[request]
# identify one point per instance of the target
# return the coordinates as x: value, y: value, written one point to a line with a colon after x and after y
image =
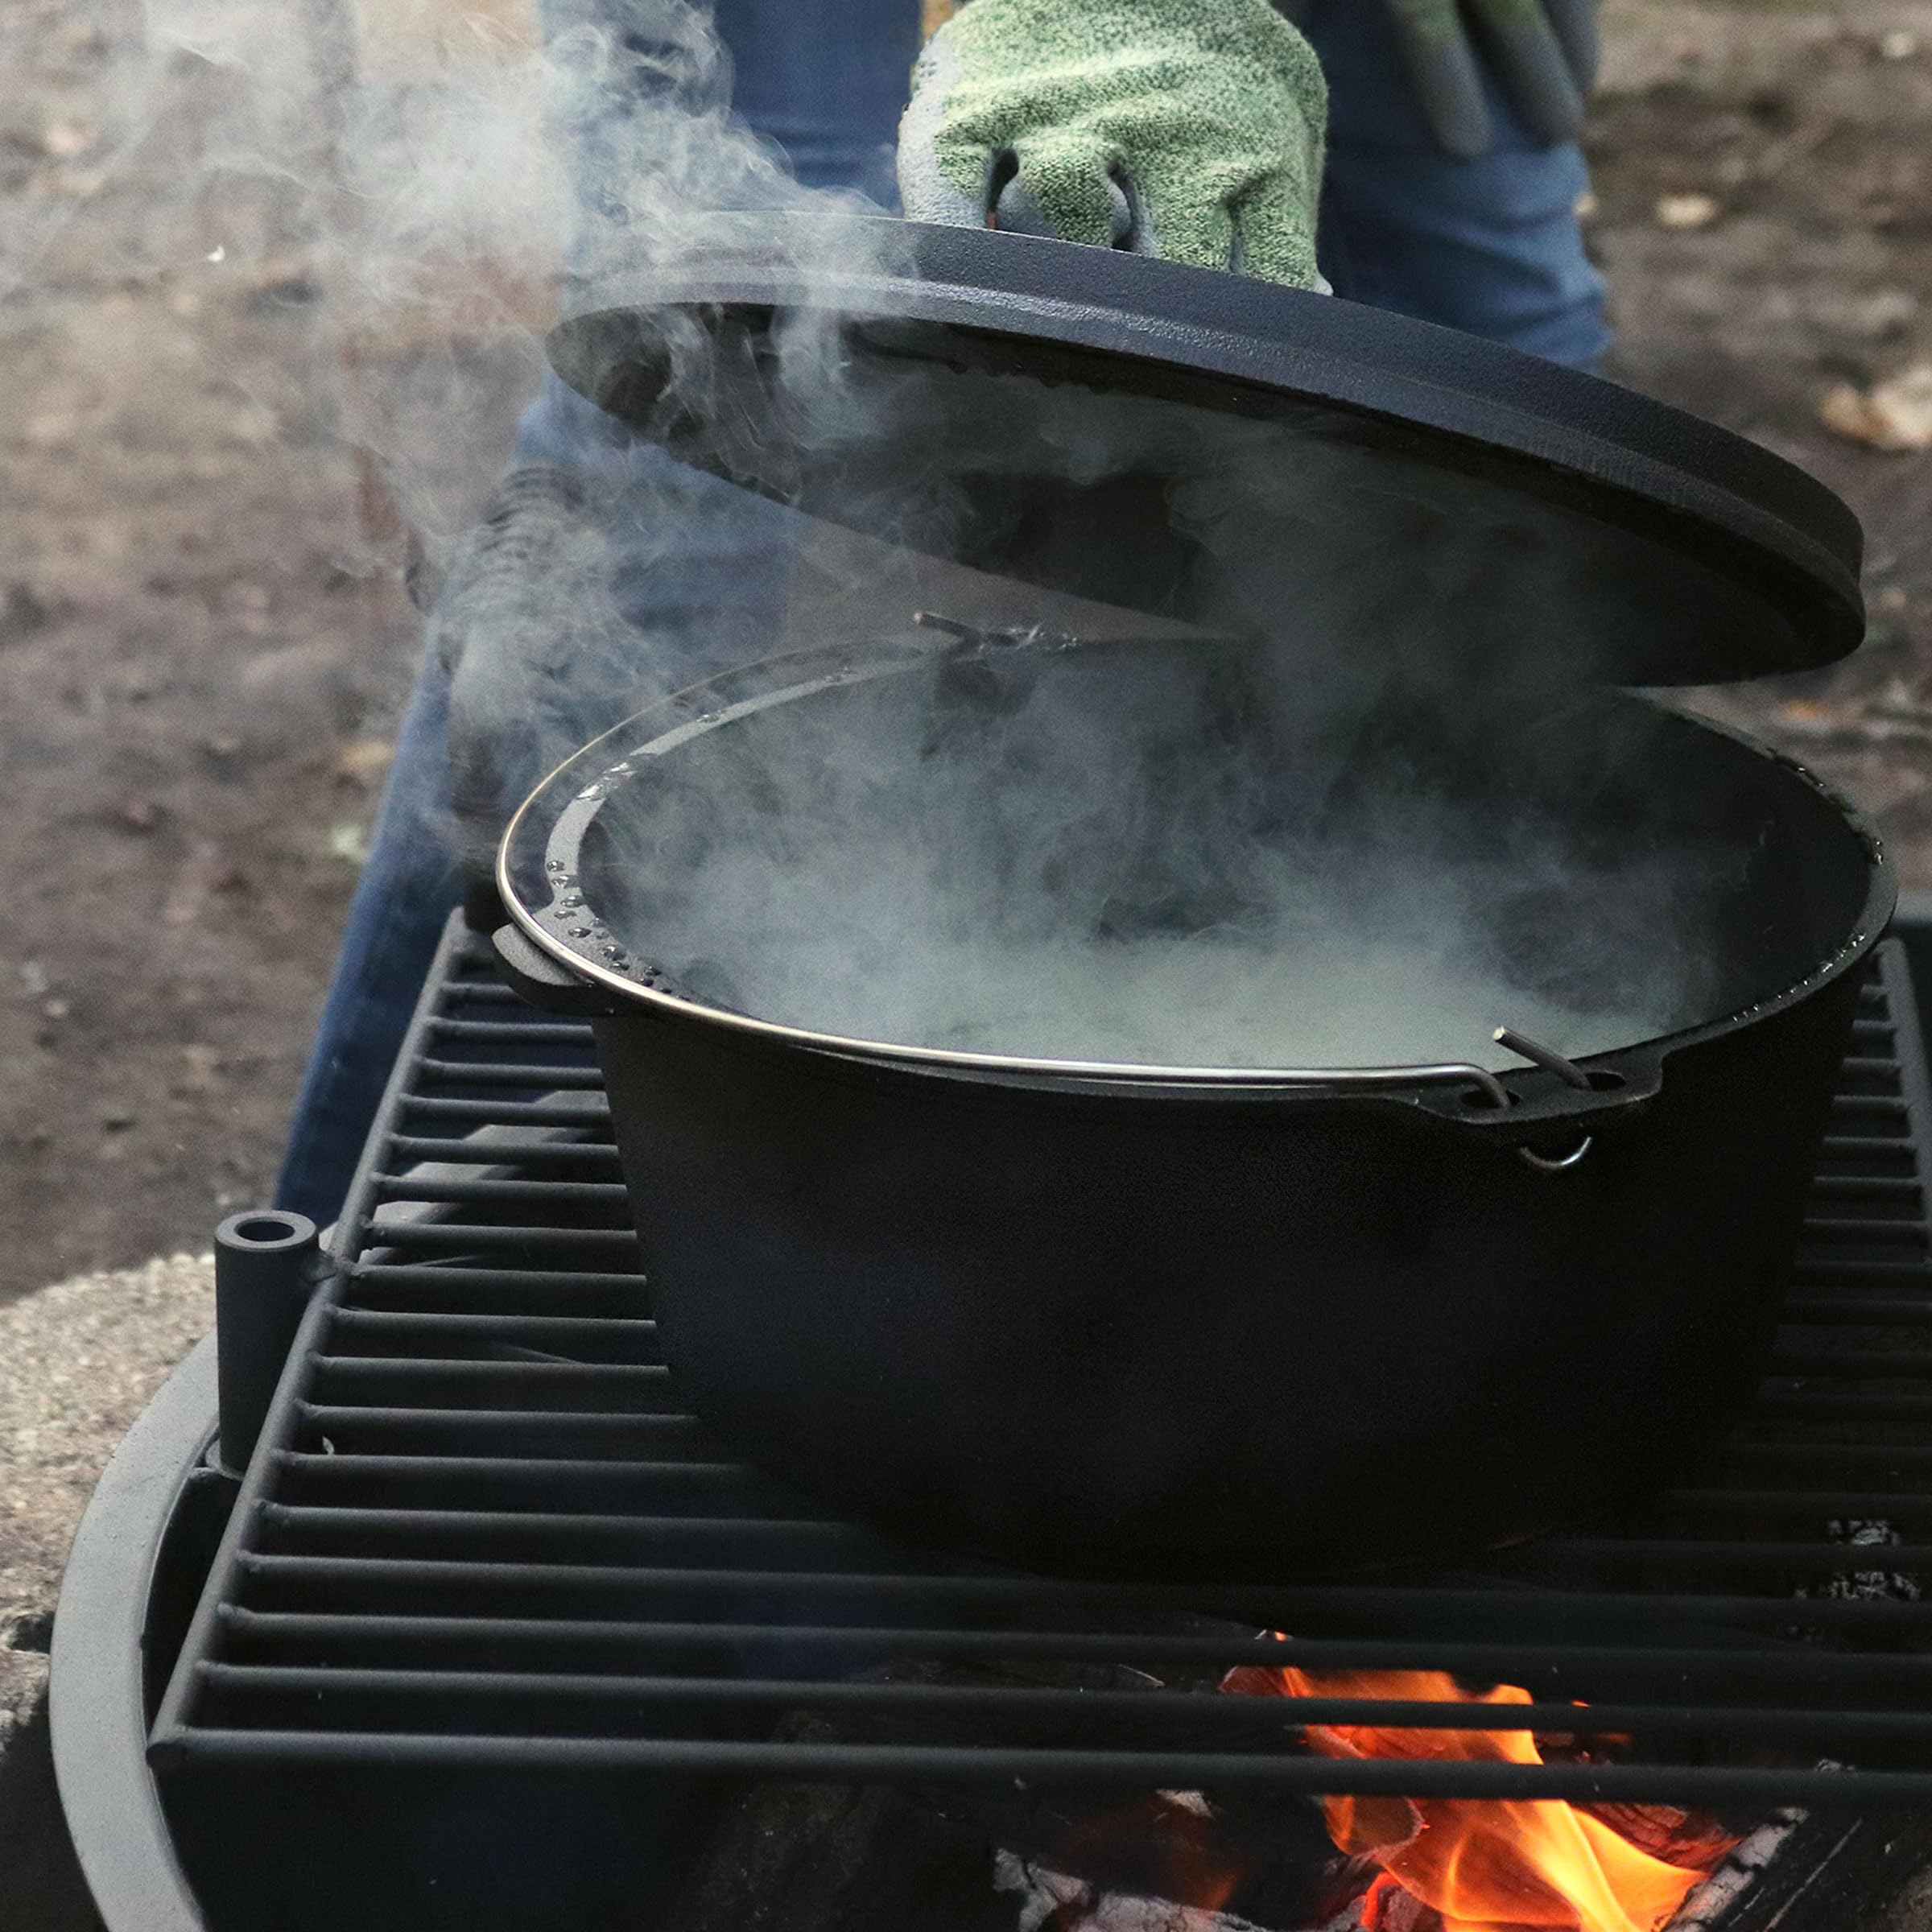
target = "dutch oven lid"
x: 1380, y: 477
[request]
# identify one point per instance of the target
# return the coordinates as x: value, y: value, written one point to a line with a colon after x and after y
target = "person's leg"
x: 825, y: 80
x: 693, y: 562
x: 405, y: 893
x: 1492, y: 246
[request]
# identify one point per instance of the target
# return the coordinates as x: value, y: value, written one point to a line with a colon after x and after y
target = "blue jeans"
x: 1490, y: 246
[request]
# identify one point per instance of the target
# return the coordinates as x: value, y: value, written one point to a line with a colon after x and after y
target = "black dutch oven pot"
x: 1160, y: 1322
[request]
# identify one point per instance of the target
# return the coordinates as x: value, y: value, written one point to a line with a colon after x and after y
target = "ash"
x: 1050, y: 1899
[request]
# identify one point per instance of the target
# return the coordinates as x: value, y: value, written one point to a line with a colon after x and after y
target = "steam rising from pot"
x: 1148, y: 853
x: 1291, y: 845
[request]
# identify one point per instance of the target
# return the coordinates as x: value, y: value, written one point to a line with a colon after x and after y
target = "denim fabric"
x: 402, y: 902
x: 1491, y: 246
x: 825, y: 80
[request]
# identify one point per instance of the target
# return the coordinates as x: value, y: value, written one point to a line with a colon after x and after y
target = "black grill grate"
x: 479, y: 1531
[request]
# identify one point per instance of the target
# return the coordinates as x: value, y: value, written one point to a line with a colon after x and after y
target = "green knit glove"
x: 1542, y: 52
x: 1191, y: 129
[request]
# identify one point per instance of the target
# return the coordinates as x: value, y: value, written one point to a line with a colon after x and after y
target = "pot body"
x: 1162, y: 1335
x: 1155, y: 1321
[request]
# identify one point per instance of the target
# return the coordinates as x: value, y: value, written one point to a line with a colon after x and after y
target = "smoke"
x: 1071, y: 873
x: 1299, y: 848
x: 427, y: 176
x: 1149, y: 853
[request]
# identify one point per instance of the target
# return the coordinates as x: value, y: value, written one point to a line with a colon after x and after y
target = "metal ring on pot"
x: 538, y: 867
x: 1557, y: 1164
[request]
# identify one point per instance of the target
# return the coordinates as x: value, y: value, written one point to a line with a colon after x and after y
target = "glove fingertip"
x: 928, y: 193
x: 1270, y: 243
x: 1574, y: 22
x: 942, y: 178
x: 1067, y: 189
x: 1533, y: 66
x: 952, y: 184
x: 1547, y: 103
x: 1450, y: 88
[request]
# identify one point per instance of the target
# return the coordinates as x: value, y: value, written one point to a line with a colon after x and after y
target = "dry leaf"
x: 348, y: 842
x: 1686, y: 211
x: 1896, y: 416
x: 64, y: 143
x: 51, y: 429
x: 363, y: 760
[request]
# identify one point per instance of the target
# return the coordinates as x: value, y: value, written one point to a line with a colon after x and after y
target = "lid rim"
x: 1637, y: 461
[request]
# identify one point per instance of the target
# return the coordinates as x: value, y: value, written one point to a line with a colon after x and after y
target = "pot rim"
x: 531, y: 849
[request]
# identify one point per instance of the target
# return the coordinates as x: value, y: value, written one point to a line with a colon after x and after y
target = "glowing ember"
x: 1483, y: 1864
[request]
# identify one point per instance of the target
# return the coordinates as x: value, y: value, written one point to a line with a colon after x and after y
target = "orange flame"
x: 1484, y: 1864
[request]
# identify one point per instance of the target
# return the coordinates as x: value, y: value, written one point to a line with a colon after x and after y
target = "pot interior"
x: 1216, y: 854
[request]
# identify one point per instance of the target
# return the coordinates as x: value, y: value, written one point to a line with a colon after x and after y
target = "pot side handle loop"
x: 1557, y: 1163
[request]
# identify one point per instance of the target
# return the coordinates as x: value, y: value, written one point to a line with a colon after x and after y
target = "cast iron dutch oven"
x: 1134, y: 1320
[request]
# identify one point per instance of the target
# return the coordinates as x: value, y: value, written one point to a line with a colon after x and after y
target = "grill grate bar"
x: 571, y: 1330
x: 567, y: 1421
x: 1698, y: 1786
x: 489, y: 1073
x: 460, y: 1237
x: 520, y: 1033
x: 593, y: 1195
x: 531, y: 1152
x: 1888, y: 1152
x: 372, y: 1523
x: 1884, y: 1106
x: 517, y: 1469
x: 470, y: 990
x: 1744, y: 1672
x: 526, y: 1376
x: 1882, y: 1067
x: 574, y: 1110
x: 537, y: 1285
x: 1899, y: 1187
x: 1197, y: 1715
x: 300, y: 1519
x: 951, y: 1594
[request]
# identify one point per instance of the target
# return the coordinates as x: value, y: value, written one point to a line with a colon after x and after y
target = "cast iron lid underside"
x: 1429, y: 493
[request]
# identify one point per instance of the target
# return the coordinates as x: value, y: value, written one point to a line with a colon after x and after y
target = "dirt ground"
x: 203, y: 633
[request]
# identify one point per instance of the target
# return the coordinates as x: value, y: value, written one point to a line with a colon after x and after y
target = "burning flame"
x: 1486, y: 1863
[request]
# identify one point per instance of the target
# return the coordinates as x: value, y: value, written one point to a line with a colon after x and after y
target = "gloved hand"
x: 1191, y: 129
x: 1543, y: 52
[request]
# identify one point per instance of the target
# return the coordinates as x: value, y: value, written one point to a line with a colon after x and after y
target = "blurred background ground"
x: 204, y: 631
